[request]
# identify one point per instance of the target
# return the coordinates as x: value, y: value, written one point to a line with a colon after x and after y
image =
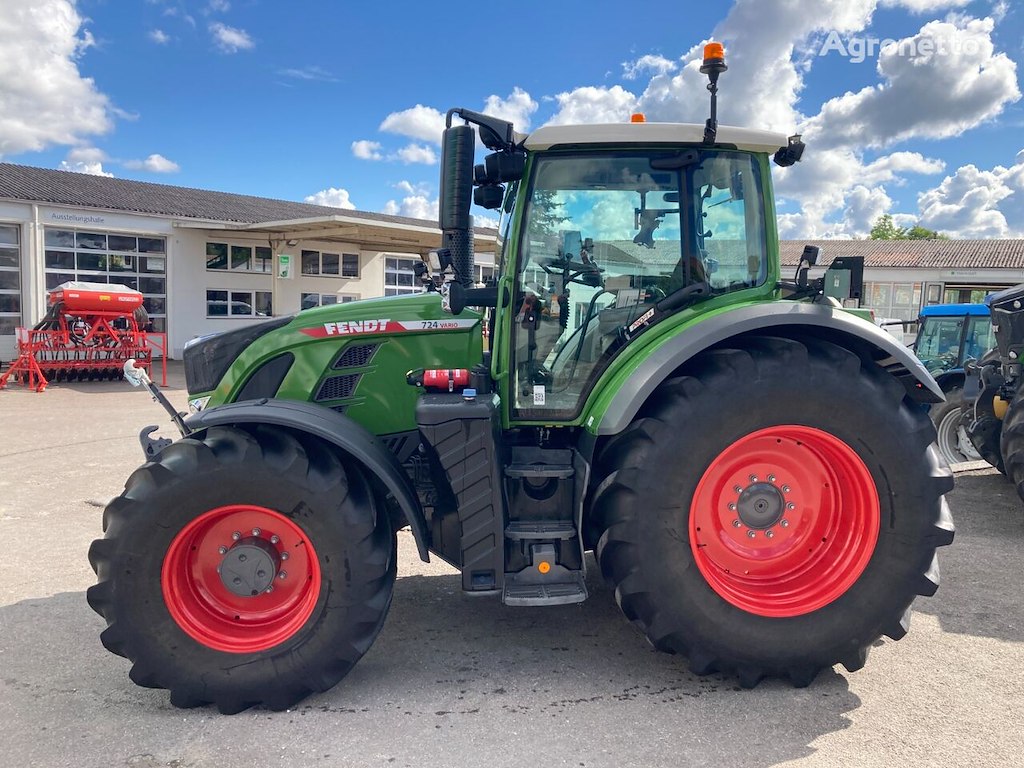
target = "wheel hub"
x: 760, y: 506
x: 249, y: 567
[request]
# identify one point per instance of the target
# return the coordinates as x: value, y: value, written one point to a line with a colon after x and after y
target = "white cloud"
x: 936, y: 84
x: 218, y: 6
x: 230, y: 39
x: 419, y: 122
x: 313, y: 73
x: 417, y: 153
x: 631, y: 70
x: 44, y: 99
x: 85, y: 160
x: 591, y: 104
x: 516, y: 108
x: 975, y: 203
x: 154, y: 164
x: 367, y: 150
x: 333, y: 197
x: 159, y: 37
x: 416, y: 204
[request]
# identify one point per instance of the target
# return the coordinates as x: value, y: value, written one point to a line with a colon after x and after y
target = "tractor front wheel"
x: 245, y: 567
x: 774, y: 510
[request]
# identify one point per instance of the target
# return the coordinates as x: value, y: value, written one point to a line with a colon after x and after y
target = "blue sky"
x: 339, y: 101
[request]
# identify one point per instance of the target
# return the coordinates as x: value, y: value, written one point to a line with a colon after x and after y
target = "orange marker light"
x: 714, y: 51
x: 638, y: 117
x: 544, y: 567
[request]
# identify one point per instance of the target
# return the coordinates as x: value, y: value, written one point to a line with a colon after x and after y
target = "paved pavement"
x: 456, y: 681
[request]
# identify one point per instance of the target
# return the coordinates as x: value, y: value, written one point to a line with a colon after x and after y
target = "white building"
x: 202, y: 259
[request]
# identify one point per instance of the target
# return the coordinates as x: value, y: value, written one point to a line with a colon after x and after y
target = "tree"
x: 885, y: 229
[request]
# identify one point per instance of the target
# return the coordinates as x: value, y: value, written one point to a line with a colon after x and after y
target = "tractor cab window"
x: 938, y: 342
x: 614, y: 243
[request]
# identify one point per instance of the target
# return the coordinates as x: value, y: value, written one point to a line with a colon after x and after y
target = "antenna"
x: 713, y: 66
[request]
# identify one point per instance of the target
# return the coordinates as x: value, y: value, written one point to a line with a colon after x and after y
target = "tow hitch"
x: 137, y: 377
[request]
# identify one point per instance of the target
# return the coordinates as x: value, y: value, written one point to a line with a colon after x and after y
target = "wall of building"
x: 189, y: 292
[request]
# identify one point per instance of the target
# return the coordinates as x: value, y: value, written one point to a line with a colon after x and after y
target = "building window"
x: 10, y: 279
x: 137, y: 262
x: 484, y: 273
x: 239, y: 258
x: 893, y: 301
x: 224, y: 303
x: 330, y: 264
x: 350, y: 265
x: 399, y: 277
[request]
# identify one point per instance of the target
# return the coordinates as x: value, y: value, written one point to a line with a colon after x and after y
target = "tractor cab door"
x: 606, y: 237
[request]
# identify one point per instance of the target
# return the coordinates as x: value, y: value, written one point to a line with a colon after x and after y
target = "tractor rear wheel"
x: 773, y: 511
x: 243, y: 567
x: 1011, y: 443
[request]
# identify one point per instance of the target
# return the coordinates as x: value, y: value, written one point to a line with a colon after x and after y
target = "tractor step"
x: 540, y: 529
x: 548, y: 593
x: 561, y: 471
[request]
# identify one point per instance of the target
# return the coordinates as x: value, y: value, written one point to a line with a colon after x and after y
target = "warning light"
x: 638, y: 117
x: 544, y: 567
x: 714, y: 51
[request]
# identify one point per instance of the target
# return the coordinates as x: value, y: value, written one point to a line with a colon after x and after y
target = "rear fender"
x: 351, y: 438
x: 835, y: 325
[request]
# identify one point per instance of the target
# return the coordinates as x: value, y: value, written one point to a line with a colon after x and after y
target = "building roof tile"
x: 915, y: 254
x: 22, y: 182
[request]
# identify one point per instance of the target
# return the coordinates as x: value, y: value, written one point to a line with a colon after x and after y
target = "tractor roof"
x: 651, y: 133
x: 954, y: 310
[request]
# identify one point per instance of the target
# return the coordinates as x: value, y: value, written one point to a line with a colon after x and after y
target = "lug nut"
x: 732, y: 506
x: 256, y: 531
x: 753, y: 478
x: 785, y: 489
x: 768, y: 534
x: 285, y: 555
x: 737, y: 489
x: 222, y: 549
x: 282, y: 575
x: 269, y: 589
x: 751, y: 534
x: 771, y: 478
x: 275, y: 539
x: 790, y: 505
x: 236, y: 535
x: 736, y: 523
x: 784, y: 523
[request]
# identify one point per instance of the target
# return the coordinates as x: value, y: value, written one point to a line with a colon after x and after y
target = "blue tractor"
x: 948, y: 336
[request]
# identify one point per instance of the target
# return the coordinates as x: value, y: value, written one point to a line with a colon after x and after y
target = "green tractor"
x: 752, y: 466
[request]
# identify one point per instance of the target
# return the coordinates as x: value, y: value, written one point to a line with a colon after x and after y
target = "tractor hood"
x: 350, y: 357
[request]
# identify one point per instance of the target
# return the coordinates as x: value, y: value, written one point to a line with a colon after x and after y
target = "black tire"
x: 950, y: 437
x: 327, y: 506
x: 1011, y: 443
x: 651, y: 472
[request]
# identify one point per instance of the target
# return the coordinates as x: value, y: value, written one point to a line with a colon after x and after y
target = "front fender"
x: 825, y: 322
x: 336, y: 428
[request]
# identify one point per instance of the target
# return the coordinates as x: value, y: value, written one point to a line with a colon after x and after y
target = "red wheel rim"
x: 784, y: 521
x: 202, y: 604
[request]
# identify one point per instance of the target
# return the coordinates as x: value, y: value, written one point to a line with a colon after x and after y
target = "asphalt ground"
x: 457, y: 681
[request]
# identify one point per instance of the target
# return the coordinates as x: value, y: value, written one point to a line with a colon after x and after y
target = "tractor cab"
x: 613, y: 239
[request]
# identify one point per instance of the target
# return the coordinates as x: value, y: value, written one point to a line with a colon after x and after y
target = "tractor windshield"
x: 607, y: 238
